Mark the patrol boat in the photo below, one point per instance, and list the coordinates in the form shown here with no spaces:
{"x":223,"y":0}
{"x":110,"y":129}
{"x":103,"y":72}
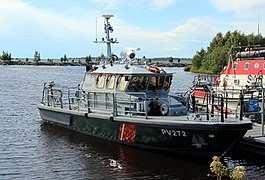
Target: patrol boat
{"x":124,"y":101}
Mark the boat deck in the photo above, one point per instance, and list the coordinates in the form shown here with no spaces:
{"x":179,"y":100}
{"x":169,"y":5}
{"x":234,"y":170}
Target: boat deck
{"x":255,"y":132}
{"x":253,"y":141}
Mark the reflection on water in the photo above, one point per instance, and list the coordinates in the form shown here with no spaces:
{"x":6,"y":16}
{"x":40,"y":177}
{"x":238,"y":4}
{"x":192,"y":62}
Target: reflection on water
{"x":31,"y":149}
{"x":97,"y":154}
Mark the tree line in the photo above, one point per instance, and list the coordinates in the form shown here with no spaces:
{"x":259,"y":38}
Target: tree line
{"x":7,"y":57}
{"x":215,"y":57}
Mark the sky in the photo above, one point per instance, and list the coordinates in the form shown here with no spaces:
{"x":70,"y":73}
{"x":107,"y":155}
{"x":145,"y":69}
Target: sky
{"x":160,"y":28}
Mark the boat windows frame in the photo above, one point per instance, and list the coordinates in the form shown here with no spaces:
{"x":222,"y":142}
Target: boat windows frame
{"x":100,"y":81}
{"x":122,"y":82}
{"x":110,"y":81}
{"x":138,"y":83}
{"x":235,"y":66}
{"x":158,"y":83}
{"x":256,"y":65}
{"x":247,"y":66}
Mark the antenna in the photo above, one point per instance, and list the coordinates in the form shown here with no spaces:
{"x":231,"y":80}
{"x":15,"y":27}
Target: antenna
{"x":96,"y":29}
{"x":108,"y":29}
{"x":258,"y":24}
{"x":258,"y":29}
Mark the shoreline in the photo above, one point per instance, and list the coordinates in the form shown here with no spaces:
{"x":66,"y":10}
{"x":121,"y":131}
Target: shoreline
{"x":30,"y":63}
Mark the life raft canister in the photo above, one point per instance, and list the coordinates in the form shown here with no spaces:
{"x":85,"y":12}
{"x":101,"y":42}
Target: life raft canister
{"x":155,"y":69}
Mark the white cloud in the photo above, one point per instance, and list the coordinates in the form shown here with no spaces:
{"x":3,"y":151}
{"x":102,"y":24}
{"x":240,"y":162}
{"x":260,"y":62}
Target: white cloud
{"x":107,"y":4}
{"x":199,"y":27}
{"x":242,"y":8}
{"x":185,"y":38}
{"x":25,"y":28}
{"x":162,"y":4}
{"x":22,"y":17}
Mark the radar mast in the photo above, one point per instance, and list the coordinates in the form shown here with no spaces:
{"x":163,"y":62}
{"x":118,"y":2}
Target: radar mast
{"x":108,"y":29}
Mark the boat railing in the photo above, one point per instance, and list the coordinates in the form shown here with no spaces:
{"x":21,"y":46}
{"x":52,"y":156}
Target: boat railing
{"x":213,"y":104}
{"x":117,"y":103}
{"x":114,"y":103}
{"x":59,"y":96}
{"x":137,"y":104}
{"x":245,"y":102}
{"x":201,"y":79}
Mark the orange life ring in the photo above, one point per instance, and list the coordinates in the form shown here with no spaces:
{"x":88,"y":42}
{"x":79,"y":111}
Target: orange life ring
{"x":155,"y":69}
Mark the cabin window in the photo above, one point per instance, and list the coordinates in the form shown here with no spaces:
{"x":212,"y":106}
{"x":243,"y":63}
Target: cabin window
{"x":247,"y":65}
{"x":235,"y":66}
{"x":167,"y":83}
{"x":110,"y":82}
{"x":122,"y":82}
{"x":256,"y":65}
{"x":138,"y":83}
{"x":100,"y":81}
{"x":156,"y":82}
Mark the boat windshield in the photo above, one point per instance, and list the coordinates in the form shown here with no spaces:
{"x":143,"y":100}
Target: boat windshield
{"x":122,"y":82}
{"x":110,"y":81}
{"x":138,"y":83}
{"x":156,"y":82}
{"x":100,"y":81}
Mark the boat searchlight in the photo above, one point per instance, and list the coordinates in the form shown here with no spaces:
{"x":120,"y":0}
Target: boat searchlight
{"x":131,"y":52}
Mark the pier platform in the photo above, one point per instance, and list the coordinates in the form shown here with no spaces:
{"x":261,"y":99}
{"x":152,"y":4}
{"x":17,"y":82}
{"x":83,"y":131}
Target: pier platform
{"x":253,"y":141}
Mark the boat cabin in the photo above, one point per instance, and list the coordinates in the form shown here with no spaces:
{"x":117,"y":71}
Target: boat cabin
{"x":141,"y":85}
{"x":128,"y":79}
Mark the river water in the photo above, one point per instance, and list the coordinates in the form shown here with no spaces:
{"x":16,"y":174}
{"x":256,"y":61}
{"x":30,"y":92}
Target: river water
{"x":30,"y":149}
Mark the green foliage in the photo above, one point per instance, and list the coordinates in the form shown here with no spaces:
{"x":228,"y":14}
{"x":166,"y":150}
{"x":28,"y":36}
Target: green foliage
{"x":98,"y":59}
{"x":170,"y":59}
{"x":50,"y":61}
{"x":187,"y":68}
{"x":37,"y":57}
{"x":197,"y":59}
{"x":88,"y":59}
{"x":6,"y":56}
{"x":219,"y":170}
{"x":64,"y":59}
{"x":215,"y":58}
